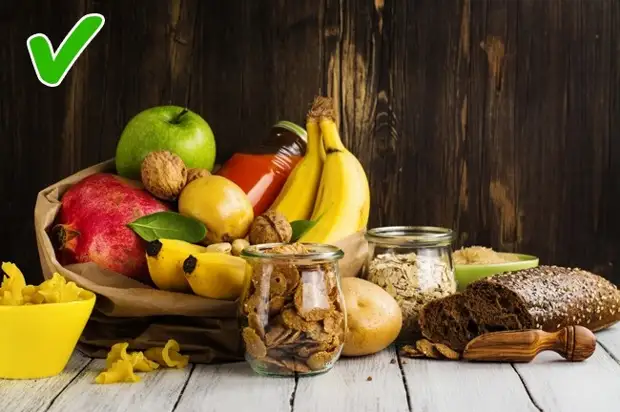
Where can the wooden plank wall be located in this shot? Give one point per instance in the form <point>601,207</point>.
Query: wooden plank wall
<point>494,117</point>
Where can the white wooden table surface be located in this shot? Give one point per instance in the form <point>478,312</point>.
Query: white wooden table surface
<point>395,384</point>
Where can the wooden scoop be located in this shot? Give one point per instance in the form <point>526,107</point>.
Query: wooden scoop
<point>573,343</point>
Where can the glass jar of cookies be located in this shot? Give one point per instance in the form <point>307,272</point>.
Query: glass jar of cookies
<point>292,311</point>
<point>414,265</point>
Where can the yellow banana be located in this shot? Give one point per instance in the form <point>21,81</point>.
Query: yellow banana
<point>164,258</point>
<point>343,199</point>
<point>365,209</point>
<point>296,199</point>
<point>215,275</point>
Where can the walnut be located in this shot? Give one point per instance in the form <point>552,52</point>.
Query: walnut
<point>195,173</point>
<point>164,174</point>
<point>270,227</point>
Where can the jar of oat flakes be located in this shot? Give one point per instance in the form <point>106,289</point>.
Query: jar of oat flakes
<point>414,265</point>
<point>293,318</point>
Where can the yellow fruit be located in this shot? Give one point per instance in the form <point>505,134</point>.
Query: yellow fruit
<point>296,199</point>
<point>343,200</point>
<point>374,318</point>
<point>365,208</point>
<point>164,258</point>
<point>220,204</point>
<point>215,275</point>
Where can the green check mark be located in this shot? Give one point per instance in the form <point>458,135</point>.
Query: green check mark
<point>51,66</point>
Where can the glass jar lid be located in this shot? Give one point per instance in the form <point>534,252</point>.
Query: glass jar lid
<point>413,236</point>
<point>292,127</point>
<point>317,253</point>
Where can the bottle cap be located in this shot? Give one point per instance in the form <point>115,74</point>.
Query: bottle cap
<point>292,127</point>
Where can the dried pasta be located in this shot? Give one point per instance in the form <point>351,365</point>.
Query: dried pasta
<point>168,356</point>
<point>137,359</point>
<point>15,292</point>
<point>122,365</point>
<point>120,371</point>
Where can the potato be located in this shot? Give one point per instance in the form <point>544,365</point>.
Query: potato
<point>374,318</point>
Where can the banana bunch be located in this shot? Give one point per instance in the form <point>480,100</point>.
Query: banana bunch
<point>329,185</point>
<point>212,272</point>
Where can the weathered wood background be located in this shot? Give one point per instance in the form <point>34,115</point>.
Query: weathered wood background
<point>494,117</point>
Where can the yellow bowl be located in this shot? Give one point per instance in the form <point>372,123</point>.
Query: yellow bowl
<point>466,274</point>
<point>37,341</point>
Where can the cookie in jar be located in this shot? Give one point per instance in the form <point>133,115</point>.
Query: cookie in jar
<point>292,310</point>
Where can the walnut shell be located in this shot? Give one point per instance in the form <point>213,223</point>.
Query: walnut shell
<point>195,173</point>
<point>270,227</point>
<point>164,174</point>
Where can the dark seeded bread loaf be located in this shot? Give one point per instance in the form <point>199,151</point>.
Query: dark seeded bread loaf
<point>545,297</point>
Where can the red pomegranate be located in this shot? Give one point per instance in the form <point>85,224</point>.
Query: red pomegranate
<point>92,224</point>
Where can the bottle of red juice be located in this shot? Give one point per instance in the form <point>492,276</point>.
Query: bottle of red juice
<point>262,170</point>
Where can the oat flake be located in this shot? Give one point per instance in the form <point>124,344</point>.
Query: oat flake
<point>412,280</point>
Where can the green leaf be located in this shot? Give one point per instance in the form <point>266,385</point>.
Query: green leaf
<point>169,225</point>
<point>300,227</point>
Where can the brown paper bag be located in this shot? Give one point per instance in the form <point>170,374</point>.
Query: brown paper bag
<point>130,311</point>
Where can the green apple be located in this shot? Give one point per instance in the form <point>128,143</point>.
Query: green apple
<point>171,128</point>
